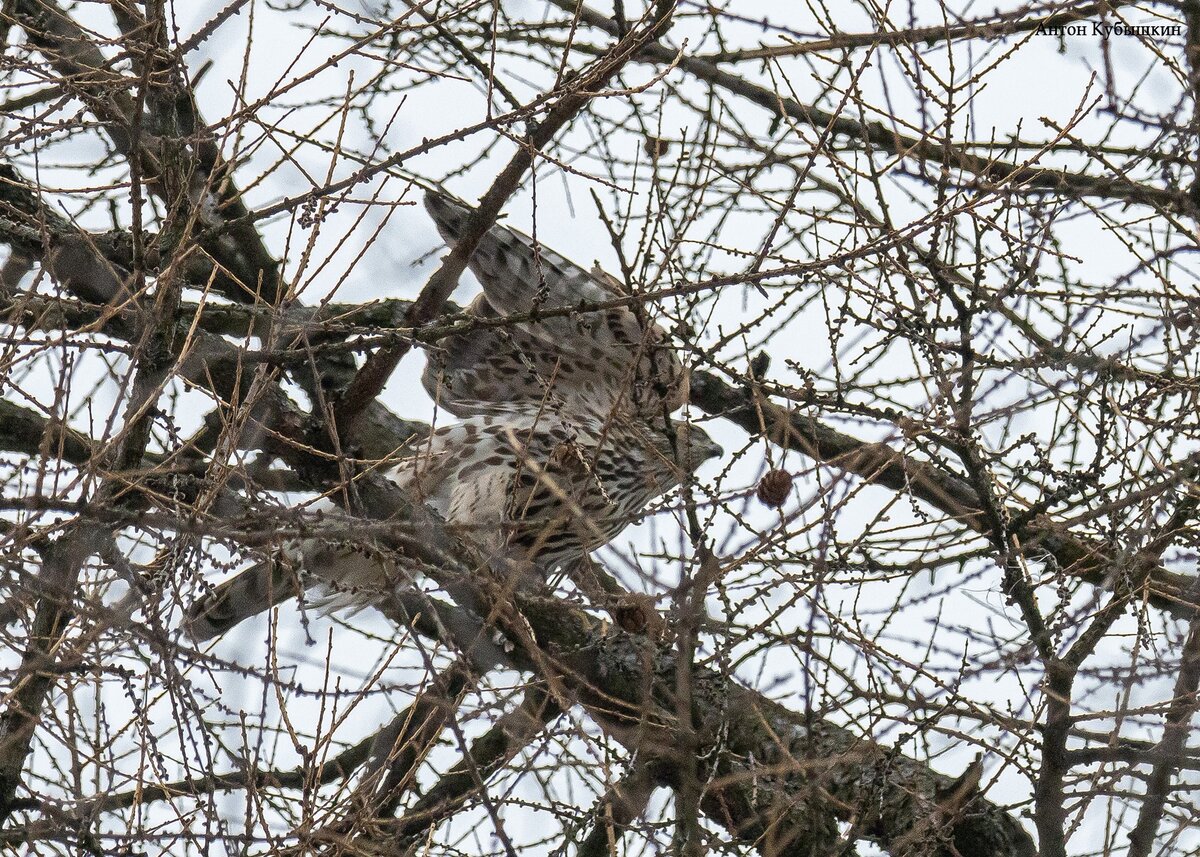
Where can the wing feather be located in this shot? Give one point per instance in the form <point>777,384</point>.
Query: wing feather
<point>598,361</point>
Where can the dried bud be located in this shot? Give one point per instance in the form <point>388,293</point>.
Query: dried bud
<point>909,427</point>
<point>632,617</point>
<point>636,614</point>
<point>656,147</point>
<point>774,488</point>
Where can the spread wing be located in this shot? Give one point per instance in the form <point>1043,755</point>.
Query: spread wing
<point>596,361</point>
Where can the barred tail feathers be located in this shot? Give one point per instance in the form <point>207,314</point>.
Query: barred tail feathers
<point>253,591</point>
<point>334,576</point>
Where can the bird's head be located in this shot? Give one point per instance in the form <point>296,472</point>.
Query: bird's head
<point>674,452</point>
<point>692,446</point>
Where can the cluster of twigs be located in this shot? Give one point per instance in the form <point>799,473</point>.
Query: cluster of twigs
<point>939,597</point>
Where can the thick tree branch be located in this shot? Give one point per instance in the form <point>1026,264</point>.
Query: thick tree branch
<point>174,153</point>
<point>995,26</point>
<point>879,464</point>
<point>984,173</point>
<point>1172,748</point>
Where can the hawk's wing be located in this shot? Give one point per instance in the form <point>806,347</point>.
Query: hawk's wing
<point>594,360</point>
<point>474,371</point>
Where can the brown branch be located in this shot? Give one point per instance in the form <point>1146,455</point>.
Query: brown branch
<point>488,753</point>
<point>341,766</point>
<point>990,173</point>
<point>420,726</point>
<point>1172,748</point>
<point>881,465</point>
<point>153,363</point>
<point>775,778</point>
<point>24,431</point>
<point>170,169</point>
<point>996,27</point>
<point>1191,14</point>
<point>624,802</point>
<point>397,751</point>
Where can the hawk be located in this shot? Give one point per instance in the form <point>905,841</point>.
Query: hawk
<point>564,388</point>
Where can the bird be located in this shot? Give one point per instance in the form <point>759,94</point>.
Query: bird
<point>564,390</point>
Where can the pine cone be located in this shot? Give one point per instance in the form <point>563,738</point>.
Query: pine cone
<point>774,488</point>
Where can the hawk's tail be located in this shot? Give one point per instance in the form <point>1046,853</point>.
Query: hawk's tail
<point>253,591</point>
<point>516,273</point>
<point>349,573</point>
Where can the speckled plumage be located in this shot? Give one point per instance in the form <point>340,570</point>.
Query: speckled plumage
<point>598,362</point>
<point>585,395</point>
<point>564,436</point>
<point>541,486</point>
